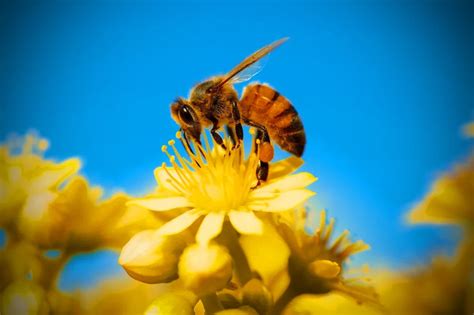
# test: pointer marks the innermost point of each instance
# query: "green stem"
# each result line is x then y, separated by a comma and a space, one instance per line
289, 294
211, 304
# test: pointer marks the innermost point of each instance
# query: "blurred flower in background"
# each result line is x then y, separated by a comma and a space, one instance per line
46, 206
290, 264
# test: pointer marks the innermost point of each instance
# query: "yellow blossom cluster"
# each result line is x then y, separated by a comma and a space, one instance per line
44, 206
210, 239
237, 246
444, 286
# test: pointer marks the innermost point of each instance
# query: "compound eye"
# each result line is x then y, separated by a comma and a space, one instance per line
185, 115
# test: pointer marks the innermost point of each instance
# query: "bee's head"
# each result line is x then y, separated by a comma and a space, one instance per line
186, 117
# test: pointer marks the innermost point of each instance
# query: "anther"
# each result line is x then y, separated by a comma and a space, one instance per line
164, 148
178, 134
171, 142
43, 144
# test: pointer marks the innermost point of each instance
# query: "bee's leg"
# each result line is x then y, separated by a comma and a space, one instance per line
187, 145
266, 151
238, 126
216, 136
231, 133
262, 170
186, 141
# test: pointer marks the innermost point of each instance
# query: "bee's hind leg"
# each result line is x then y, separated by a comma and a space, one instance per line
265, 146
265, 151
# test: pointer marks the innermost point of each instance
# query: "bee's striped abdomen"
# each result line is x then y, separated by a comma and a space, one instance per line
264, 106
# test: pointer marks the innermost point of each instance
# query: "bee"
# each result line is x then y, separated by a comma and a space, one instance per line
215, 103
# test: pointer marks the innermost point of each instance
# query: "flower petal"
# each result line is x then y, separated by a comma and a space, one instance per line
284, 167
245, 222
210, 227
296, 181
266, 253
52, 174
180, 223
162, 203
281, 202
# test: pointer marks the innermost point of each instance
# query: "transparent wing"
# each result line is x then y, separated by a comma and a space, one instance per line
248, 63
249, 72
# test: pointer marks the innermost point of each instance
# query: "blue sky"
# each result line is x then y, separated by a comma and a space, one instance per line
383, 89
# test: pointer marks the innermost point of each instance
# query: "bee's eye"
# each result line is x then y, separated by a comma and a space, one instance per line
185, 115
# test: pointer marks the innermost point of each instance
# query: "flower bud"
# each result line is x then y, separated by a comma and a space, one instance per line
244, 310
205, 269
23, 297
324, 268
257, 296
228, 300
171, 304
152, 258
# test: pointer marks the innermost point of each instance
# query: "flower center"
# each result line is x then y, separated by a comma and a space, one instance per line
214, 179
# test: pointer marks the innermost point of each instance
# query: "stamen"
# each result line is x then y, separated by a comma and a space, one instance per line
180, 172
43, 145
198, 157
182, 161
329, 229
353, 248
322, 222
207, 145
173, 182
339, 240
191, 154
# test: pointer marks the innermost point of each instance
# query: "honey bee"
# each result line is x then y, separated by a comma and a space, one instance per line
215, 103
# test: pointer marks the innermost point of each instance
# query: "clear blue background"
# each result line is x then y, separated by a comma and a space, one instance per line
383, 88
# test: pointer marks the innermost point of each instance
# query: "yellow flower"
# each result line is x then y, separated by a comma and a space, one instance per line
23, 297
205, 269
77, 219
28, 182
469, 129
120, 296
330, 304
152, 258
445, 286
256, 295
316, 264
172, 303
451, 199
243, 310
267, 255
221, 183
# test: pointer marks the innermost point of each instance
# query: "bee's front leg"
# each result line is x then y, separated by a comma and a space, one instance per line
215, 134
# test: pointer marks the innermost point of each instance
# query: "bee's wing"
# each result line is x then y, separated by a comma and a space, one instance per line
247, 63
249, 72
